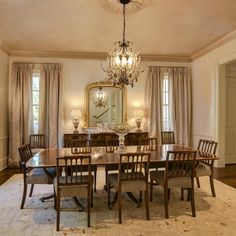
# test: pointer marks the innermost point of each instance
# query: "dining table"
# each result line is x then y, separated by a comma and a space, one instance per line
100, 156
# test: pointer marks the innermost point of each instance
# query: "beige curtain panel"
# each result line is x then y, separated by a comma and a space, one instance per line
180, 102
51, 105
19, 109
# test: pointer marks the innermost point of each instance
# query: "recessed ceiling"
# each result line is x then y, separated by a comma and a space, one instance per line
162, 27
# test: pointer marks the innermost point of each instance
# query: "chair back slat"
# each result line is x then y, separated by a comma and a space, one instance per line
80, 150
25, 155
207, 148
180, 163
37, 141
111, 145
77, 143
77, 163
134, 166
167, 137
148, 144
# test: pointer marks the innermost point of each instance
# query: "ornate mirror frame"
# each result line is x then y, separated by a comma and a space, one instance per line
103, 84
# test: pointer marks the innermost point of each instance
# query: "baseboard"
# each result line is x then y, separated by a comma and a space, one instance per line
3, 163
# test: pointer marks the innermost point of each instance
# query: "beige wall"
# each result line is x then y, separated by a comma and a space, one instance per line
208, 95
4, 109
77, 73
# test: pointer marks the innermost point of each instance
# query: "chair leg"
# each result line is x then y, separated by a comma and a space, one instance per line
95, 180
168, 194
108, 194
193, 202
147, 204
140, 196
91, 201
182, 194
212, 186
151, 189
24, 195
88, 207
198, 182
119, 203
166, 202
106, 175
31, 190
58, 210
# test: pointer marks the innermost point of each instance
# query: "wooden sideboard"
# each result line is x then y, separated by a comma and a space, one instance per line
100, 139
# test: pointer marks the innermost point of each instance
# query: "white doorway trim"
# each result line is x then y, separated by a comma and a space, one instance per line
221, 106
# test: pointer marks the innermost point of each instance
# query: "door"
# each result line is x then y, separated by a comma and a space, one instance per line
230, 136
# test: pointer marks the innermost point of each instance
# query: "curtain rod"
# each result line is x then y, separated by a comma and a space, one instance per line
40, 63
170, 66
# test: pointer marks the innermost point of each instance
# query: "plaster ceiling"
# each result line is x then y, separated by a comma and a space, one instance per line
162, 27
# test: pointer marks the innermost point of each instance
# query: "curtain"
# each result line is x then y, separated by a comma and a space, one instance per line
181, 104
50, 105
19, 108
153, 100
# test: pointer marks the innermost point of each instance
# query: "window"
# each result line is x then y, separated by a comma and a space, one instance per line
35, 101
166, 121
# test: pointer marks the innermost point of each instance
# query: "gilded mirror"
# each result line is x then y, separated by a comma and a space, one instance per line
105, 103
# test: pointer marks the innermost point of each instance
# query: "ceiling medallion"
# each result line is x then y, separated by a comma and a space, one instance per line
116, 7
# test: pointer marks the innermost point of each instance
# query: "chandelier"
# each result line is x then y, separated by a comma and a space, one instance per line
123, 63
100, 96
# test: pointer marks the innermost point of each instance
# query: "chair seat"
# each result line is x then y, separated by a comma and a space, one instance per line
36, 150
39, 176
76, 189
127, 185
202, 170
180, 182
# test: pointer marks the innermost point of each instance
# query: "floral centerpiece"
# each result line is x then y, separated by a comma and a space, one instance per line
121, 130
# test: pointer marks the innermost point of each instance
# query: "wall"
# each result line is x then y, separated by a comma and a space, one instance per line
209, 94
4, 109
77, 73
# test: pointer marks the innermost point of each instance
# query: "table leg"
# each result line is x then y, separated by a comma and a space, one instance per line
43, 199
130, 195
78, 204
134, 199
114, 201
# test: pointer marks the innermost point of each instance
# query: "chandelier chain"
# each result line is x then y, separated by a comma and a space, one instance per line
124, 23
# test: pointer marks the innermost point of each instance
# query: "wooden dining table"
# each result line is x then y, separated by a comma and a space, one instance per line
99, 157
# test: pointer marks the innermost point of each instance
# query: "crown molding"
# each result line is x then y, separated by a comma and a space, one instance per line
226, 38
4, 47
167, 58
52, 54
96, 55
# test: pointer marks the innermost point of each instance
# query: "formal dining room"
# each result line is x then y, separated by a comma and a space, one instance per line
117, 117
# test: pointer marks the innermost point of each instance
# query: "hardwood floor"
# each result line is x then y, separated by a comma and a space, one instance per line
8, 173
226, 175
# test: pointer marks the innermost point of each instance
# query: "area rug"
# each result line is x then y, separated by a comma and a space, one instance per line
215, 216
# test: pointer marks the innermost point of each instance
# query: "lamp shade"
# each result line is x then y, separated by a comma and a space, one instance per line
75, 113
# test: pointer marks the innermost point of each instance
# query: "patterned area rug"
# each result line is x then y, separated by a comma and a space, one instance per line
215, 216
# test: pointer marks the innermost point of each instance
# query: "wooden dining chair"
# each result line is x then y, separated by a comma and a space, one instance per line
81, 146
33, 175
206, 148
37, 143
73, 184
178, 173
167, 137
132, 177
148, 144
111, 147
